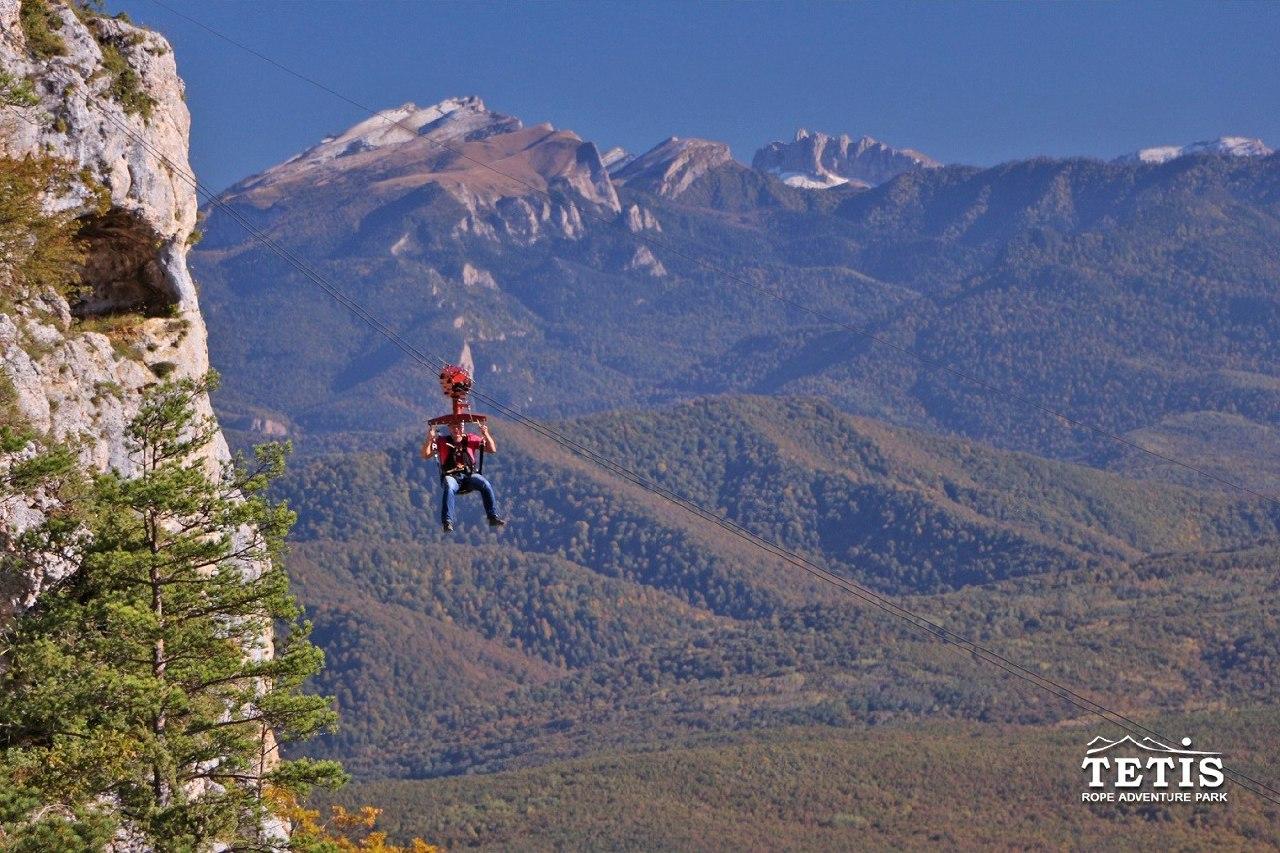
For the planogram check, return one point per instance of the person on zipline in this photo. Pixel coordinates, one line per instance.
(458, 475)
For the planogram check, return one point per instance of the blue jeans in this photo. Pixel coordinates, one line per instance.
(454, 486)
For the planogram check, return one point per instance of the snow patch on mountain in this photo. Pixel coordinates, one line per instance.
(807, 181)
(1234, 146)
(458, 119)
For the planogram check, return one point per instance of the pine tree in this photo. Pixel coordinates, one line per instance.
(145, 682)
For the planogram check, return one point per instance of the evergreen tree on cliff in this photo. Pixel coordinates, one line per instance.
(144, 684)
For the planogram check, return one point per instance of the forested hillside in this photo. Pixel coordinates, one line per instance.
(603, 618)
(898, 509)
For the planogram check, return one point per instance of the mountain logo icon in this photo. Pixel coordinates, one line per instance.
(1101, 744)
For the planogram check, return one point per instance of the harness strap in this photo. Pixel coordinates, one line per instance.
(458, 468)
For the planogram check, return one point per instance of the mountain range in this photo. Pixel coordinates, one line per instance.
(1136, 296)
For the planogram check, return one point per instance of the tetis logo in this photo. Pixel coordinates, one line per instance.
(1131, 771)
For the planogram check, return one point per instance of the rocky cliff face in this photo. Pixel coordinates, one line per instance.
(819, 161)
(111, 107)
(136, 215)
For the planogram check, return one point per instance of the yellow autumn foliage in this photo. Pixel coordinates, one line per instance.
(344, 831)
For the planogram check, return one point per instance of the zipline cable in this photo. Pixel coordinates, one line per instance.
(929, 362)
(918, 622)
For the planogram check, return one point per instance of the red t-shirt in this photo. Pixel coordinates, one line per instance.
(471, 442)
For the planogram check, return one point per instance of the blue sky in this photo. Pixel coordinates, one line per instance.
(970, 83)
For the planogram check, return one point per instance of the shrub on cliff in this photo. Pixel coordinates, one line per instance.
(40, 24)
(38, 249)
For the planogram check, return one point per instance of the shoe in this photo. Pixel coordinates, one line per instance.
(494, 521)
(448, 526)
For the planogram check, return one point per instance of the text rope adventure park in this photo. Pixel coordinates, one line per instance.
(918, 622)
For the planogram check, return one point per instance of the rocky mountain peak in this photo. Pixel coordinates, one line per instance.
(670, 167)
(816, 160)
(509, 179)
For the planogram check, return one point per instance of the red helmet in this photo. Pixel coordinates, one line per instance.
(454, 381)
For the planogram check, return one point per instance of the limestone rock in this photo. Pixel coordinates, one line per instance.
(644, 261)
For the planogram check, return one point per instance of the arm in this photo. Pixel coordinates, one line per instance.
(490, 446)
(429, 444)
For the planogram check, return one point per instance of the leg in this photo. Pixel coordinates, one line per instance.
(478, 483)
(447, 500)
